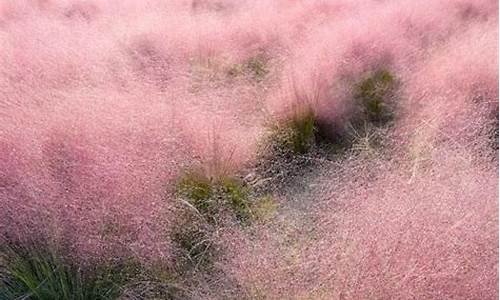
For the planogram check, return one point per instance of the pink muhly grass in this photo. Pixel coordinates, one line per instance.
(92, 196)
(385, 237)
(433, 236)
(103, 105)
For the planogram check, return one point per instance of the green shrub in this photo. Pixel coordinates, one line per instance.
(373, 93)
(38, 273)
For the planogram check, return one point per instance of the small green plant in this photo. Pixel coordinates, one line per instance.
(373, 93)
(38, 273)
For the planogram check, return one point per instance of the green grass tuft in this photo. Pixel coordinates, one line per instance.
(237, 196)
(264, 208)
(198, 189)
(256, 66)
(303, 129)
(195, 245)
(211, 196)
(40, 274)
(373, 93)
(298, 133)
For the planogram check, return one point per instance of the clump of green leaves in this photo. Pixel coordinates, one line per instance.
(41, 274)
(373, 93)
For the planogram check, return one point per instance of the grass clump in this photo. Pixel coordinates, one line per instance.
(198, 189)
(298, 133)
(302, 131)
(211, 201)
(237, 196)
(289, 150)
(264, 208)
(256, 66)
(40, 274)
(195, 243)
(373, 93)
(213, 196)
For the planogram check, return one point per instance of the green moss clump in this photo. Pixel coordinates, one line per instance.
(373, 93)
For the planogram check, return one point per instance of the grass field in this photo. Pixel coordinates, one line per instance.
(248, 149)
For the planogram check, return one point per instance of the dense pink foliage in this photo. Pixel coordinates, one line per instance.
(102, 103)
(388, 235)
